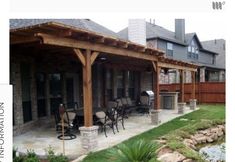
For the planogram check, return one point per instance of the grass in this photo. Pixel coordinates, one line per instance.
(196, 120)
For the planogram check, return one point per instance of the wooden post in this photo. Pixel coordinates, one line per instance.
(156, 75)
(193, 84)
(87, 59)
(87, 90)
(181, 85)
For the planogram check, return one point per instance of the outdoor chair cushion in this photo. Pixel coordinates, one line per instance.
(69, 117)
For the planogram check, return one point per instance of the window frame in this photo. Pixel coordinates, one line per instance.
(169, 49)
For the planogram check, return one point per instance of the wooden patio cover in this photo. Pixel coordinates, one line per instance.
(87, 45)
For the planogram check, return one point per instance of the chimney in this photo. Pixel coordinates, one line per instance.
(137, 31)
(180, 29)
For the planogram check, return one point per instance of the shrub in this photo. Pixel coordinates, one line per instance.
(139, 151)
(51, 157)
(31, 157)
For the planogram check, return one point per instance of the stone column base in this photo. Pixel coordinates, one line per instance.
(89, 139)
(181, 107)
(193, 104)
(155, 116)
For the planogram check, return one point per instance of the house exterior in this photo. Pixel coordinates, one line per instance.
(218, 46)
(182, 46)
(54, 61)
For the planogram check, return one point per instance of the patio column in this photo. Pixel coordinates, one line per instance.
(89, 132)
(156, 110)
(193, 100)
(181, 104)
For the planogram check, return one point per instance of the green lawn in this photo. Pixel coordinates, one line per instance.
(206, 112)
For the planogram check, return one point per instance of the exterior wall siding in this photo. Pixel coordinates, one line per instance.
(205, 58)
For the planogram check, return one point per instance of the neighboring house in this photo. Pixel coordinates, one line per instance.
(180, 46)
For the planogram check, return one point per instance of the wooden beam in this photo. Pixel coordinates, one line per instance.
(68, 42)
(173, 66)
(87, 90)
(193, 84)
(80, 56)
(181, 85)
(23, 39)
(94, 56)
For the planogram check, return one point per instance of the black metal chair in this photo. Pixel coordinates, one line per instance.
(68, 119)
(120, 115)
(123, 106)
(116, 113)
(104, 120)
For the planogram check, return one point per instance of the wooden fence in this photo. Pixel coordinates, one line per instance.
(208, 92)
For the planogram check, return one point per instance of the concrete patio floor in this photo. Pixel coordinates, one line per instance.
(41, 138)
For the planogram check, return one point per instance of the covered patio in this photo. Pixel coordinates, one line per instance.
(53, 63)
(135, 124)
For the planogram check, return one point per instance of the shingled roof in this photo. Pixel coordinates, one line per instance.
(156, 31)
(78, 23)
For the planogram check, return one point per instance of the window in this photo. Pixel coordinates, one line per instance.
(55, 85)
(109, 77)
(213, 60)
(26, 91)
(41, 94)
(169, 50)
(193, 50)
(120, 84)
(131, 84)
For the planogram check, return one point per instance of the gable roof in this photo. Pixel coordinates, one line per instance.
(218, 46)
(78, 23)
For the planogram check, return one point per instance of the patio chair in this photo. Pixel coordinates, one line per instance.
(126, 107)
(68, 124)
(104, 121)
(116, 114)
(73, 107)
(120, 116)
